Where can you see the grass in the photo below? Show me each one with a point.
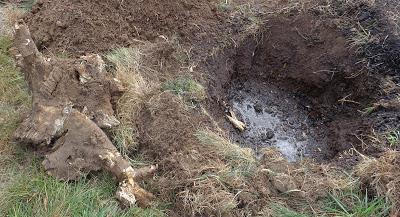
(241, 160)
(9, 13)
(368, 110)
(224, 5)
(393, 138)
(129, 67)
(361, 37)
(383, 176)
(26, 190)
(187, 88)
(282, 211)
(357, 204)
(14, 97)
(27, 4)
(30, 192)
(342, 204)
(34, 193)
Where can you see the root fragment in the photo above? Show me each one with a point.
(234, 120)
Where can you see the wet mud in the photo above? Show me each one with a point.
(275, 117)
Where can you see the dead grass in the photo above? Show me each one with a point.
(130, 71)
(242, 160)
(218, 188)
(301, 187)
(26, 190)
(382, 175)
(208, 194)
(361, 37)
(9, 14)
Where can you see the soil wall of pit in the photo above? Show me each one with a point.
(301, 71)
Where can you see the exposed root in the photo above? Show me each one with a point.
(234, 120)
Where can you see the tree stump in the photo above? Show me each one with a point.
(71, 104)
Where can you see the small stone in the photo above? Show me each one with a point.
(269, 110)
(268, 135)
(258, 108)
(59, 24)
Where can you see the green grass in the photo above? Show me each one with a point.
(187, 88)
(14, 97)
(350, 203)
(393, 138)
(356, 204)
(27, 4)
(224, 5)
(368, 110)
(34, 193)
(281, 211)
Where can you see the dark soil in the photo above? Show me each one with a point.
(77, 27)
(291, 80)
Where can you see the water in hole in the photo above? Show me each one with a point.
(274, 117)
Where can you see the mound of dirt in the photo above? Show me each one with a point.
(79, 26)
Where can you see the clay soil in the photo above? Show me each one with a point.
(299, 71)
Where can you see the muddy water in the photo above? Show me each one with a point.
(274, 117)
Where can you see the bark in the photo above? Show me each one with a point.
(71, 104)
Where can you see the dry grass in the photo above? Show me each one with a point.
(382, 175)
(303, 186)
(208, 194)
(130, 70)
(361, 37)
(9, 14)
(240, 159)
(217, 189)
(393, 14)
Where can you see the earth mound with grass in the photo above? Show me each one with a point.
(261, 108)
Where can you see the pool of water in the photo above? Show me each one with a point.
(273, 117)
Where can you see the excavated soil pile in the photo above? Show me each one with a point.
(80, 26)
